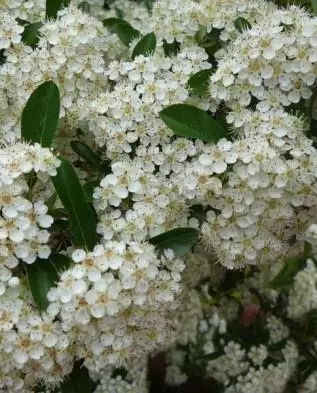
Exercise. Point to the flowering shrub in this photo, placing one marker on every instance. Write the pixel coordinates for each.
(158, 194)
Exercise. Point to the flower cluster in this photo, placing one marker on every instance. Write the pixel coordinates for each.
(166, 195)
(34, 348)
(117, 288)
(245, 343)
(10, 31)
(23, 223)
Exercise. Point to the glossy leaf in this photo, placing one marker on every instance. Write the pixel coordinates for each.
(53, 6)
(191, 122)
(198, 83)
(62, 262)
(122, 28)
(30, 35)
(146, 46)
(180, 240)
(86, 153)
(89, 190)
(42, 276)
(40, 115)
(113, 22)
(126, 33)
(70, 192)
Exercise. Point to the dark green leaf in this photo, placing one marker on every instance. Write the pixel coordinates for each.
(149, 4)
(42, 275)
(171, 49)
(2, 57)
(112, 22)
(53, 6)
(86, 153)
(191, 122)
(89, 190)
(30, 35)
(180, 240)
(242, 24)
(314, 5)
(119, 12)
(40, 115)
(84, 6)
(60, 261)
(122, 28)
(198, 212)
(22, 22)
(198, 83)
(211, 41)
(285, 278)
(70, 192)
(126, 33)
(311, 115)
(78, 381)
(146, 46)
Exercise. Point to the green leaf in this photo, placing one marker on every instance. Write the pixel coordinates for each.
(89, 190)
(198, 83)
(242, 24)
(126, 33)
(210, 41)
(149, 4)
(86, 153)
(146, 46)
(78, 381)
(314, 5)
(119, 12)
(70, 192)
(61, 262)
(180, 240)
(171, 49)
(53, 6)
(42, 275)
(122, 28)
(84, 6)
(112, 22)
(30, 35)
(285, 278)
(2, 57)
(22, 22)
(40, 115)
(191, 122)
(198, 212)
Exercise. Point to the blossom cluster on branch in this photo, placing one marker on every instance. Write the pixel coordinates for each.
(158, 192)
